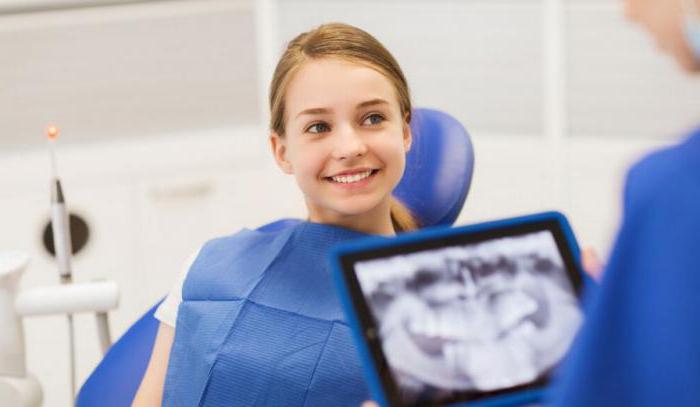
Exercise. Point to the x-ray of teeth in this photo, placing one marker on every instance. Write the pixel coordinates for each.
(477, 317)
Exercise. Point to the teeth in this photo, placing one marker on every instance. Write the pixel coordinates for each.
(346, 179)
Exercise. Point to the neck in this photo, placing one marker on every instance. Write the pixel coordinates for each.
(376, 221)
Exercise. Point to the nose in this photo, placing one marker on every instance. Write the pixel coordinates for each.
(348, 144)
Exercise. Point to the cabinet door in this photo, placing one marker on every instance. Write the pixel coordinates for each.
(174, 216)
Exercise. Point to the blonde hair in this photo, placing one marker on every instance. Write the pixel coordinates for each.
(352, 44)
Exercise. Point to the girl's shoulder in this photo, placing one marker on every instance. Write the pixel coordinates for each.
(232, 263)
(245, 240)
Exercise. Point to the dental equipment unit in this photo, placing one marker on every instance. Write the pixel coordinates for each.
(18, 387)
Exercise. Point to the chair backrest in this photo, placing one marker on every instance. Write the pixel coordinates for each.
(439, 168)
(434, 187)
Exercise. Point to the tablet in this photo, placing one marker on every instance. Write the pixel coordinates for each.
(480, 313)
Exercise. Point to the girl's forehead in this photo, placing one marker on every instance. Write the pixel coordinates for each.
(334, 83)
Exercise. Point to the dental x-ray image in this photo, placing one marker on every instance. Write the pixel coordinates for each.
(473, 318)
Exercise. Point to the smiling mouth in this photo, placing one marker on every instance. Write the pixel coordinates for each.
(353, 178)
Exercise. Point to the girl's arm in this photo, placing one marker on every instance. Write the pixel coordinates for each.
(150, 391)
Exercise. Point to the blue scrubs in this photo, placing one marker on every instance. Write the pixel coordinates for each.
(260, 325)
(640, 344)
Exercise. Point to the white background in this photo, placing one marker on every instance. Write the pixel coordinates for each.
(162, 108)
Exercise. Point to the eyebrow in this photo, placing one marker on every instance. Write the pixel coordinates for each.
(373, 102)
(314, 110)
(323, 110)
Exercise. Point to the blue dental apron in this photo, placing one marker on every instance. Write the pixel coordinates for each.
(260, 325)
(640, 344)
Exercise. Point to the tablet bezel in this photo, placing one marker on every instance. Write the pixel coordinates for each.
(343, 258)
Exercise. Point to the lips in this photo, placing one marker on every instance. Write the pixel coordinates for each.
(351, 177)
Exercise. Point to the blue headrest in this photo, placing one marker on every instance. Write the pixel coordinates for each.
(116, 379)
(439, 168)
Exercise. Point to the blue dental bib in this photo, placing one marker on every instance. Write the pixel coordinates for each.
(260, 325)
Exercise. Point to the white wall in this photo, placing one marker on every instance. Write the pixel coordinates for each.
(163, 145)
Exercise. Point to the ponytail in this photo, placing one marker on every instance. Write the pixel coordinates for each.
(401, 217)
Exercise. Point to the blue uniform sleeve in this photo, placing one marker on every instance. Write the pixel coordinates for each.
(640, 344)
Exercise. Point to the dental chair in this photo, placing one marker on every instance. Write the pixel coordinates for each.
(434, 187)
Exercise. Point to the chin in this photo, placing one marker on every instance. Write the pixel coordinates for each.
(687, 64)
(691, 65)
(687, 61)
(355, 207)
(353, 210)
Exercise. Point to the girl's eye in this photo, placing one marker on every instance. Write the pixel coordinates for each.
(318, 128)
(373, 119)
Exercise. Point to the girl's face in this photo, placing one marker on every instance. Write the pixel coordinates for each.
(345, 141)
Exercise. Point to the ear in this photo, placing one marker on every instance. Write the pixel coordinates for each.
(407, 135)
(279, 151)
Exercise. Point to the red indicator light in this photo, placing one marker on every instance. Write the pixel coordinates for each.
(52, 132)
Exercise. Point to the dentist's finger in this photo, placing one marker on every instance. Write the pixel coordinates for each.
(591, 263)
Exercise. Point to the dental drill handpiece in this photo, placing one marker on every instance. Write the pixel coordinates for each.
(59, 216)
(62, 244)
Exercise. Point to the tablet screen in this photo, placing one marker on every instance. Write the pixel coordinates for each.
(463, 321)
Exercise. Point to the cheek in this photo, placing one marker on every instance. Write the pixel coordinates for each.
(309, 164)
(394, 156)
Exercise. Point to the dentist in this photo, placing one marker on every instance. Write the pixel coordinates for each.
(640, 344)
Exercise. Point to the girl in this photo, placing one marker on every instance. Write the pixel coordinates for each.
(259, 322)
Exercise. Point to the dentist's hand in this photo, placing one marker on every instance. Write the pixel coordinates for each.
(370, 404)
(591, 264)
